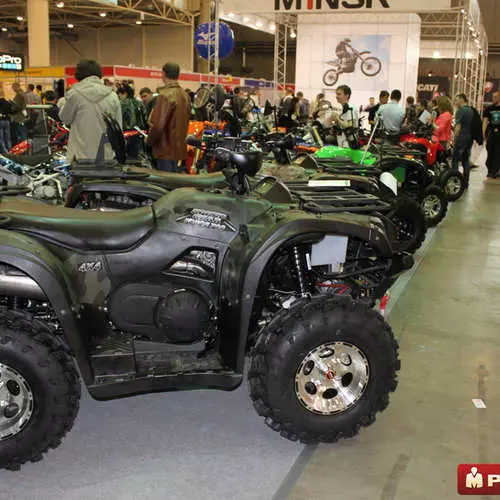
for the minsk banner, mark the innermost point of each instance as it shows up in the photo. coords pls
(333, 6)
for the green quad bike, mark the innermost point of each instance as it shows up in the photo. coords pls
(126, 186)
(181, 294)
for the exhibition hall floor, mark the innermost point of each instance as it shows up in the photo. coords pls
(210, 445)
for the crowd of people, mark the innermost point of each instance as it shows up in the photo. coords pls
(165, 115)
(455, 125)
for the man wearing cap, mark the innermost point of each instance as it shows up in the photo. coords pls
(169, 122)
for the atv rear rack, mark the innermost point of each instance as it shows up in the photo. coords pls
(334, 199)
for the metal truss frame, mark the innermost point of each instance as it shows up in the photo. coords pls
(85, 14)
(471, 56)
(283, 23)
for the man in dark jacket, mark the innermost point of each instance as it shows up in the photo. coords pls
(19, 115)
(463, 135)
(169, 122)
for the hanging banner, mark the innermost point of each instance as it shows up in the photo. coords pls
(333, 6)
(11, 62)
(204, 40)
(431, 87)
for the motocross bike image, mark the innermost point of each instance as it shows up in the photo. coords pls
(182, 294)
(370, 65)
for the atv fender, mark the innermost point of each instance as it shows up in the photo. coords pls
(131, 188)
(245, 264)
(38, 263)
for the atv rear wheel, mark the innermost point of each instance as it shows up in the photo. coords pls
(39, 389)
(453, 183)
(434, 205)
(409, 220)
(323, 368)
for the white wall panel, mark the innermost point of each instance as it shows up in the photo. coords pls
(397, 44)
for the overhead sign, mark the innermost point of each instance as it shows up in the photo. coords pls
(335, 6)
(204, 40)
(11, 62)
(430, 87)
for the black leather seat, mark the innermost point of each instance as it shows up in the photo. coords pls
(171, 180)
(77, 229)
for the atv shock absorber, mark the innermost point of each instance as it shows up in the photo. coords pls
(299, 267)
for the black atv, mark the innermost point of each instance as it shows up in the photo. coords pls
(119, 187)
(177, 295)
(412, 179)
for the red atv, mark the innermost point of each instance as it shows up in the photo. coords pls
(437, 159)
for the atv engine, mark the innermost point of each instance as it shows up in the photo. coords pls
(161, 312)
(45, 192)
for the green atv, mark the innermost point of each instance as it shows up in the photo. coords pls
(182, 294)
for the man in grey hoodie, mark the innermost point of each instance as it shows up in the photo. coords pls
(86, 103)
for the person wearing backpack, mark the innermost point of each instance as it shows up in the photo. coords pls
(491, 130)
(465, 134)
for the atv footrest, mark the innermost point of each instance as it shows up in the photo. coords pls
(113, 358)
(159, 363)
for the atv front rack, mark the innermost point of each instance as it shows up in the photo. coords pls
(334, 199)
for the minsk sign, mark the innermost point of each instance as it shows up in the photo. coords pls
(335, 6)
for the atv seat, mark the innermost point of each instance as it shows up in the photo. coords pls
(172, 180)
(77, 229)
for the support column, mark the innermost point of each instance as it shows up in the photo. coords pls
(143, 46)
(38, 32)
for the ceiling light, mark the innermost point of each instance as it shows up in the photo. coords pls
(138, 21)
(272, 26)
(71, 25)
(436, 54)
(4, 29)
(20, 18)
(102, 14)
(468, 55)
(462, 11)
(60, 5)
(293, 34)
(481, 51)
(258, 24)
(231, 15)
(246, 19)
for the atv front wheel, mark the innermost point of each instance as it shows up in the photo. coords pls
(39, 389)
(453, 183)
(409, 220)
(434, 205)
(323, 368)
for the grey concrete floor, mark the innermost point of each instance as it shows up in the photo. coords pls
(448, 324)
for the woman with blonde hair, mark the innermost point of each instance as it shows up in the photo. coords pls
(443, 123)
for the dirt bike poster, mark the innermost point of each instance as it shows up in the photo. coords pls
(361, 62)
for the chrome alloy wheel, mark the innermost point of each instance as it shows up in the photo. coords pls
(431, 206)
(332, 378)
(453, 186)
(16, 402)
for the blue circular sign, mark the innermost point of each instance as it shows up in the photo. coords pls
(204, 37)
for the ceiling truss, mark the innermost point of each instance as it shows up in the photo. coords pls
(89, 15)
